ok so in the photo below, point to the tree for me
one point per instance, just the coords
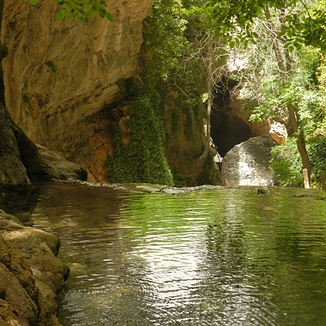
(20, 160)
(287, 26)
(206, 52)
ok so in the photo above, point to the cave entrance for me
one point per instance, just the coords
(227, 128)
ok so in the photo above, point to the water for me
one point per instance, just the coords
(211, 257)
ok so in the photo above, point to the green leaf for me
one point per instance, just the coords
(278, 5)
(95, 6)
(108, 16)
(34, 2)
(101, 12)
(59, 15)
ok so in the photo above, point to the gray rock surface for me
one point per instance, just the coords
(247, 164)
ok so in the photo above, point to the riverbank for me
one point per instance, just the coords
(31, 274)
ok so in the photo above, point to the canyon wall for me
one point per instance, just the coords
(61, 75)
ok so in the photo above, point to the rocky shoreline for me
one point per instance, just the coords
(31, 274)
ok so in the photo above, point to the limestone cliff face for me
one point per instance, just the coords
(60, 75)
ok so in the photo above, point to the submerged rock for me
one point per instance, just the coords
(247, 164)
(30, 274)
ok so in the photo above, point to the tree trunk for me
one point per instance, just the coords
(301, 144)
(191, 180)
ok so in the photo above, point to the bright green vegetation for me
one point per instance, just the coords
(283, 77)
(142, 158)
(80, 9)
(163, 102)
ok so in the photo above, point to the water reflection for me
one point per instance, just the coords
(219, 257)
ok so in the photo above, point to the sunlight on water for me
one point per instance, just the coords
(217, 257)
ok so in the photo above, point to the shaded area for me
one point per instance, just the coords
(227, 129)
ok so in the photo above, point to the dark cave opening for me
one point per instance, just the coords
(227, 129)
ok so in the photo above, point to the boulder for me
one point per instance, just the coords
(23, 161)
(247, 164)
(62, 169)
(30, 274)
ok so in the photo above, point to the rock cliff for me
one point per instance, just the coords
(59, 75)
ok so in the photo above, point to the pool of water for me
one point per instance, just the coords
(211, 257)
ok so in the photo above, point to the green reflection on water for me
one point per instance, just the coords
(262, 258)
(218, 257)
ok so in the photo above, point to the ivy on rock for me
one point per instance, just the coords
(80, 9)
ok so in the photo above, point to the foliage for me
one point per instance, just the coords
(302, 90)
(279, 39)
(317, 150)
(80, 9)
(286, 164)
(167, 81)
(166, 78)
(321, 78)
(163, 41)
(179, 179)
(143, 159)
(160, 53)
(273, 96)
(281, 73)
(304, 26)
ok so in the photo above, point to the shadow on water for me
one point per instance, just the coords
(18, 200)
(217, 257)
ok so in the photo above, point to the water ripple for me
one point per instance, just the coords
(223, 257)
